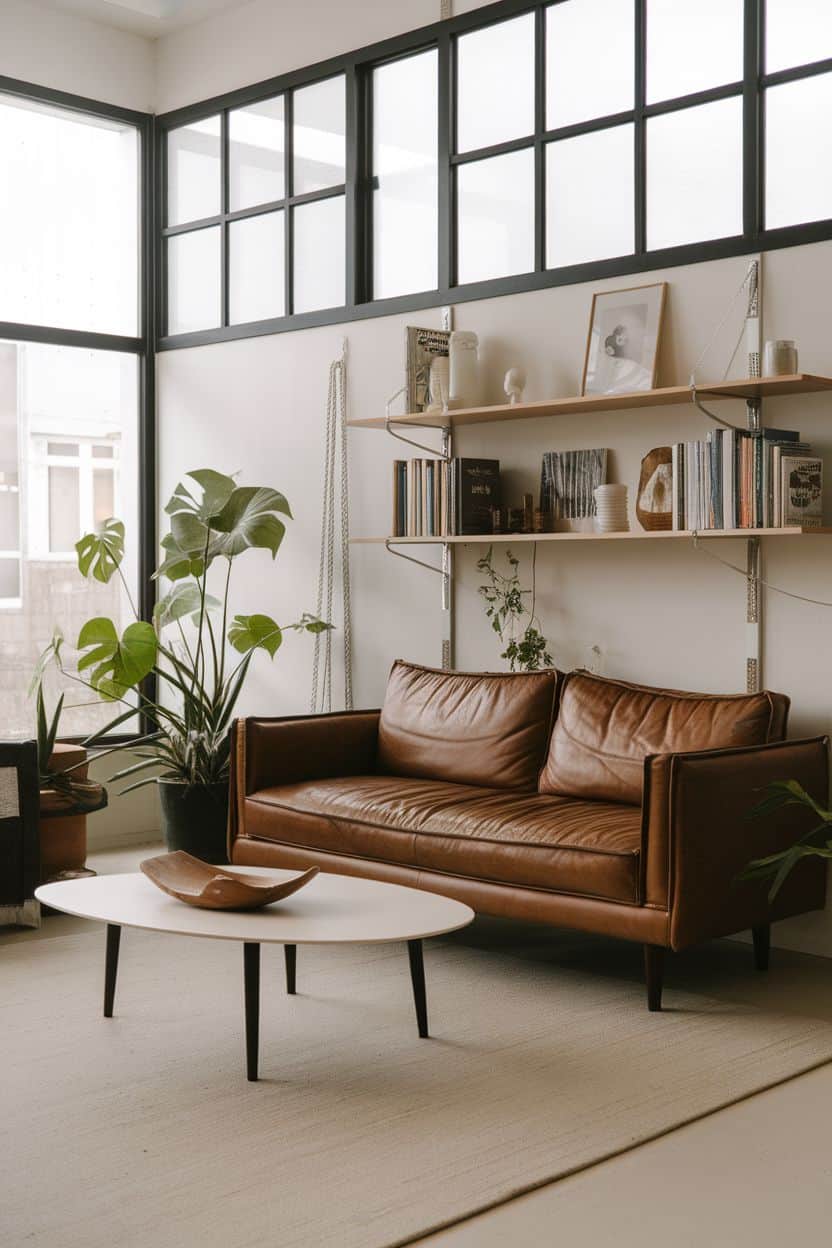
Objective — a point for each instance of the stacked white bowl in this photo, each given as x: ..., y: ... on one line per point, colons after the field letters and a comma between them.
x: 611, y: 509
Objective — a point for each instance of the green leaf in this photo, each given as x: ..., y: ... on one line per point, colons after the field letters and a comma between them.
x: 178, y: 563
x: 100, y: 553
x: 312, y: 624
x: 249, y: 519
x: 183, y: 599
x: 255, y: 632
x: 215, y: 490
x: 51, y: 654
x: 118, y: 663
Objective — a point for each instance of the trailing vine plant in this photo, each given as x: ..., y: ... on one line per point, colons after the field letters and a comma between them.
x: 526, y: 649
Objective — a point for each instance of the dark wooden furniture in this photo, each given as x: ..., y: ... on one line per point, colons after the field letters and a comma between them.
x: 19, y: 842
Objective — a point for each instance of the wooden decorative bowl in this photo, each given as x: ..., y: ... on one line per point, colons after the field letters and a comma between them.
x: 197, y: 883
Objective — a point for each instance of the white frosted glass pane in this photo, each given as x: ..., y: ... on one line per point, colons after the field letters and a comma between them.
x: 694, y: 174
x: 83, y: 399
x: 255, y: 154
x: 582, y: 221
x: 256, y: 289
x: 318, y: 134
x: 797, y: 32
x: 495, y: 84
x: 495, y: 217
x: 319, y: 259
x: 194, y: 171
x: 798, y: 168
x: 692, y: 45
x: 69, y: 236
x: 194, y: 281
x: 405, y: 203
x: 590, y: 60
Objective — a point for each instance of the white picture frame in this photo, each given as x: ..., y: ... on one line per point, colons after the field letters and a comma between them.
x: 622, y: 346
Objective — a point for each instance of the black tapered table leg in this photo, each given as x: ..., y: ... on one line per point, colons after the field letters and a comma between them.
x: 111, y: 967
x: 417, y: 976
x: 290, y: 952
x: 251, y: 978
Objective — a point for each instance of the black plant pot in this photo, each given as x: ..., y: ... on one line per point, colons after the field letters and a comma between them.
x: 195, y: 818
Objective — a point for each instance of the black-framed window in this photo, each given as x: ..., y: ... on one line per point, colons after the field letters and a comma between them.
x: 527, y: 144
x: 76, y: 379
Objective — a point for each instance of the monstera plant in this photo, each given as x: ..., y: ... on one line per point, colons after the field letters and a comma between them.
x: 185, y: 670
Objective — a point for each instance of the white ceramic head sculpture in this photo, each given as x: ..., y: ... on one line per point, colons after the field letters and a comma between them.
x: 514, y: 384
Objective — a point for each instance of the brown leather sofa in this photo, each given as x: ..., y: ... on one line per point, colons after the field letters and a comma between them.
x: 571, y: 800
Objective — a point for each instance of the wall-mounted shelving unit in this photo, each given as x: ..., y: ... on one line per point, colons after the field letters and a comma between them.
x: 752, y: 390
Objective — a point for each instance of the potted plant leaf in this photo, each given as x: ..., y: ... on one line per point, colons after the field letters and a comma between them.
x: 526, y: 649
x: 184, y: 671
x: 816, y: 843
x: 67, y: 795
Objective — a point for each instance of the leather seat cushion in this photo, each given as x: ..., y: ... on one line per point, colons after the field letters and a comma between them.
x: 490, y: 729
x: 606, y: 728
x: 586, y: 848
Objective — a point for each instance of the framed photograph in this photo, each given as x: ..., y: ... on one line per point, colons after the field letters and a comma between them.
x: 622, y: 349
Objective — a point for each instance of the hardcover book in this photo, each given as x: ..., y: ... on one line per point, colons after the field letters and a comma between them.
x: 801, y: 488
x: 476, y: 485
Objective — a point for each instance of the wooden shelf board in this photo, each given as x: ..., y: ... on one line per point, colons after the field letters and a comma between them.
x: 632, y: 535
x: 750, y: 388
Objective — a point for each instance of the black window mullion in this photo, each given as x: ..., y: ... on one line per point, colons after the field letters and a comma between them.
x: 225, y: 175
x: 752, y: 120
x: 539, y: 147
x: 354, y: 287
x: 639, y: 129
x: 446, y: 144
x: 288, y: 224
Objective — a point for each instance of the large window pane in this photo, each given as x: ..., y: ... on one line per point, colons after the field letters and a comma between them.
x: 694, y: 174
x: 194, y: 291
x: 319, y: 270
x: 194, y: 171
x: 405, y: 229
x: 797, y: 32
x: 495, y: 84
x: 798, y: 176
x: 255, y: 154
x: 69, y: 239
x: 590, y: 60
x: 495, y: 217
x: 56, y: 399
x: 319, y: 136
x: 692, y: 45
x: 582, y: 221
x: 257, y: 290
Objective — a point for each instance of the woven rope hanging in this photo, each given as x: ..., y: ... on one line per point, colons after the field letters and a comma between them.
x: 335, y: 531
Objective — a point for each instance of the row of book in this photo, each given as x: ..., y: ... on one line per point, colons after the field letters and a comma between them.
x: 444, y: 498
x: 742, y: 480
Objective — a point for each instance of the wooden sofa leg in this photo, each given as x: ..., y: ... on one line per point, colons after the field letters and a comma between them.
x: 762, y: 945
x: 654, y: 974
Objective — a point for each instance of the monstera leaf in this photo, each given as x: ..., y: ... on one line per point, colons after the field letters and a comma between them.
x: 100, y: 553
x: 215, y: 489
x: 118, y: 663
x: 249, y: 519
x: 181, y: 600
x: 255, y: 632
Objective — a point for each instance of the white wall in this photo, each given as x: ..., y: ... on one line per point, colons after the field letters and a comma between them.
x: 68, y: 53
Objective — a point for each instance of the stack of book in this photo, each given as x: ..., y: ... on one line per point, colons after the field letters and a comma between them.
x: 442, y: 498
x: 741, y: 480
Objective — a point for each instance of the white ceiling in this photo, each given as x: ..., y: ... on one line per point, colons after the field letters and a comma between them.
x: 146, y: 17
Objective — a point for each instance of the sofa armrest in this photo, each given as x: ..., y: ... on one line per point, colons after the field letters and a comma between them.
x: 698, y: 836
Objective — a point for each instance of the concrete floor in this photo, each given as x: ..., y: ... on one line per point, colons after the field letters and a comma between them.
x: 755, y: 1175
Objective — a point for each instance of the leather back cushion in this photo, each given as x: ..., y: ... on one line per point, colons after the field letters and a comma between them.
x: 466, y: 728
x: 606, y: 728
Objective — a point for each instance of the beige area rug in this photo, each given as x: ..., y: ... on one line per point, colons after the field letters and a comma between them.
x: 141, y: 1131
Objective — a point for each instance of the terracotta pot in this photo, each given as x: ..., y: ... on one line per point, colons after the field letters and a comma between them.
x: 195, y: 818
x: 63, y: 836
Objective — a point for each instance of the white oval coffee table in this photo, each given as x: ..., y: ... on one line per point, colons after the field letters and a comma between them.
x: 331, y: 909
